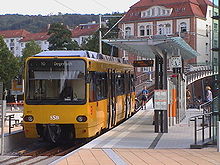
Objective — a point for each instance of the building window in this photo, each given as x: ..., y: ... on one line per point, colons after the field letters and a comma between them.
x: 163, y: 12
x: 215, y: 43
x: 161, y: 29
x: 215, y: 28
x: 210, y: 13
x: 168, y: 28
x: 144, y: 14
x: 159, y: 11
x: 142, y: 31
x: 148, y: 30
x: 12, y: 40
x: 127, y: 31
x: 206, y: 48
x: 153, y: 12
x: 183, y: 27
x: 207, y: 30
x: 125, y: 56
x: 148, y: 13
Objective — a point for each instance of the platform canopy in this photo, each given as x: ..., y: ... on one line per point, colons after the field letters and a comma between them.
x: 174, y: 46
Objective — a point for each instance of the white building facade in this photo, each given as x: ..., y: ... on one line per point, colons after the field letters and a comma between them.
x: 189, y: 19
x: 12, y: 39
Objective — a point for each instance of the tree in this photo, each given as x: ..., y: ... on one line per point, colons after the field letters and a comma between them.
x: 9, y: 65
x: 92, y: 43
x: 60, y: 38
x: 31, y: 48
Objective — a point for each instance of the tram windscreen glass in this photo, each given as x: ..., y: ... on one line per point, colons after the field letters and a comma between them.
x: 56, y: 81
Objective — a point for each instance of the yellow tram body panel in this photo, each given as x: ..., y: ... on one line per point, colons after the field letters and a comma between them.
x: 66, y: 114
x: 96, y: 112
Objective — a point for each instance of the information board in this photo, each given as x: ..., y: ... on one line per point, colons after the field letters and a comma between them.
x: 143, y: 63
x: 160, y: 99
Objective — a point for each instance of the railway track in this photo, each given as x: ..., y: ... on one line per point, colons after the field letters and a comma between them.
x: 44, y: 155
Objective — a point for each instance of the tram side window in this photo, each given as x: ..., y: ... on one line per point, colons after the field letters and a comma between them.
x: 127, y: 82
x: 132, y: 83
x: 101, y: 86
x: 98, y: 86
x: 120, y: 85
x: 92, y: 96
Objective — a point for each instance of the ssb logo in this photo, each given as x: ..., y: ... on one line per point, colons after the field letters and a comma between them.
x: 54, y: 117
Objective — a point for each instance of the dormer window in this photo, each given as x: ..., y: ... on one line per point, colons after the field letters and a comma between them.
x: 156, y: 11
x: 159, y: 11
x: 153, y: 12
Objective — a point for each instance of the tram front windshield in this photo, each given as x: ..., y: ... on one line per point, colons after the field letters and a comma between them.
x: 56, y: 81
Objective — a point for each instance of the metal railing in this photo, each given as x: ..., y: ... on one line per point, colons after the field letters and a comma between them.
x: 12, y: 122
x: 204, y: 123
x: 198, y: 72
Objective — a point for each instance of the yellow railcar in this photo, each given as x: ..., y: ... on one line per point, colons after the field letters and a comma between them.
x: 75, y: 94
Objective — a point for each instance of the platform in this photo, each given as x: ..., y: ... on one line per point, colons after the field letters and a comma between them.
x: 134, y: 142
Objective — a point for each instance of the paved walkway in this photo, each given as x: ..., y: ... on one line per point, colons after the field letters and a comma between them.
x: 134, y: 142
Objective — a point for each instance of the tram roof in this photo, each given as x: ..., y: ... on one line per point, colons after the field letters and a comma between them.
x: 60, y: 53
x: 156, y: 45
x: 81, y: 53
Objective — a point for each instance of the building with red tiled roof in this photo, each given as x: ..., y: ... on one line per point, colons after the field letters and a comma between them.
x: 39, y: 38
x: 189, y: 19
x: 83, y: 31
x: 14, y: 33
x: 16, y: 39
x: 12, y: 38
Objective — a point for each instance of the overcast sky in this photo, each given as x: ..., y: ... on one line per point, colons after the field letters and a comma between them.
x: 46, y: 7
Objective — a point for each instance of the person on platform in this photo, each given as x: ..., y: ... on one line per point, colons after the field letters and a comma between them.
x: 144, y: 94
x: 208, y: 95
x: 188, y: 98
x: 208, y: 98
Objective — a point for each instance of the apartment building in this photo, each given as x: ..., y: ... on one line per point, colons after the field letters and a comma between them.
x: 84, y: 31
x: 12, y: 39
x: 17, y: 39
x: 39, y: 38
x: 189, y: 19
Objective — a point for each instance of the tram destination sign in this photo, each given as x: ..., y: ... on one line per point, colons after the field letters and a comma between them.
x: 143, y: 63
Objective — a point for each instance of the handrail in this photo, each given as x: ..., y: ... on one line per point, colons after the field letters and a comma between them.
x: 207, y: 104
x: 207, y: 122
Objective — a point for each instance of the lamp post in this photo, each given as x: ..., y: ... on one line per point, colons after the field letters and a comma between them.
x: 100, y: 34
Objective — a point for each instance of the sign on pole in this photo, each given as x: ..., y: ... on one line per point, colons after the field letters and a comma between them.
x: 160, y: 99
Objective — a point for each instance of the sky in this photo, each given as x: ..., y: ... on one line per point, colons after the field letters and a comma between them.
x: 53, y: 7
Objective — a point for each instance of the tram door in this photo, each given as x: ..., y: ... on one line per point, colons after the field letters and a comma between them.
x: 111, y: 77
x: 128, y: 95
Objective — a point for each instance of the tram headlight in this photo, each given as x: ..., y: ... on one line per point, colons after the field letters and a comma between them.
x: 28, y: 118
x: 81, y: 118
